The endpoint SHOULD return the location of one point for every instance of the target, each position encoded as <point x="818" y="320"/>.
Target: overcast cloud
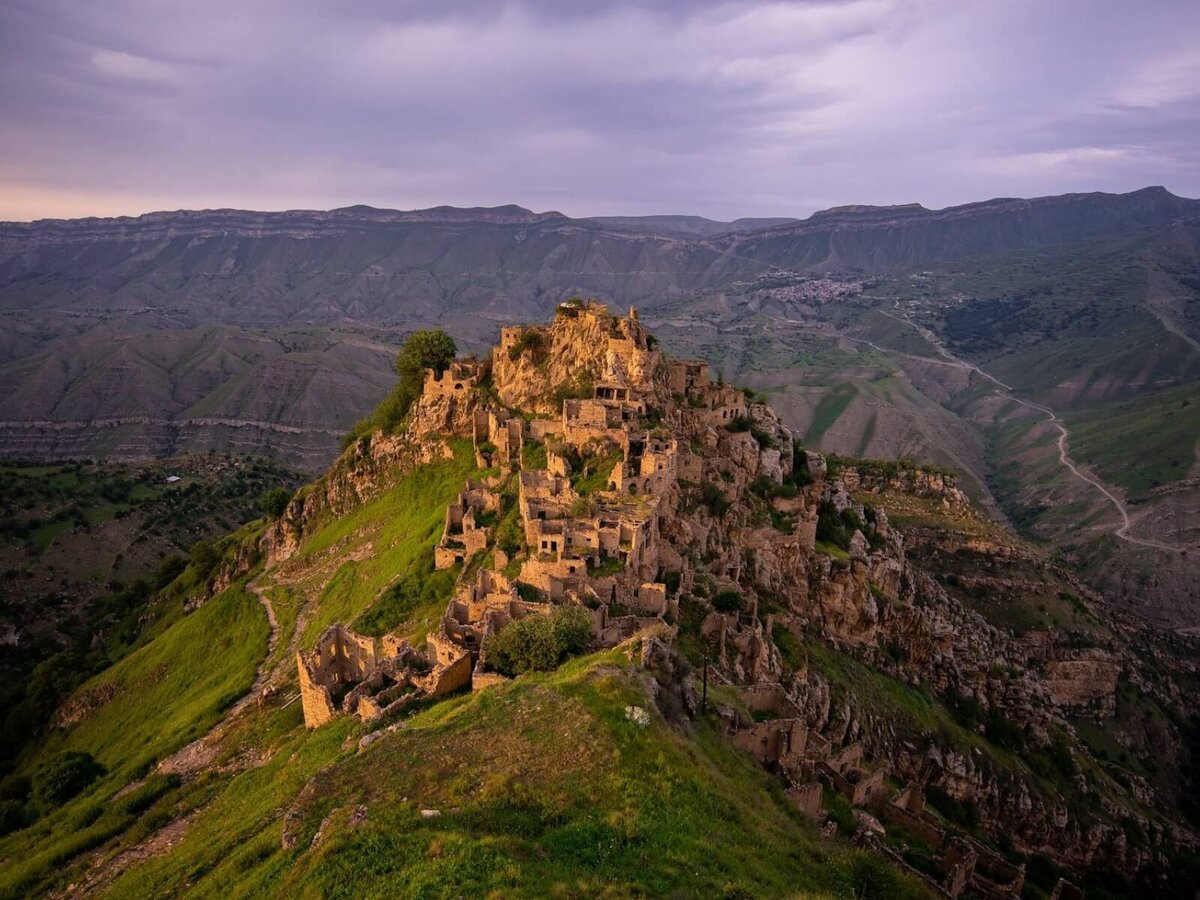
<point x="720" y="109"/>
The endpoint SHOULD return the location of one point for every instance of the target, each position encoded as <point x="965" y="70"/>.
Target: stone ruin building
<point x="348" y="672"/>
<point x="600" y="552"/>
<point x="462" y="536"/>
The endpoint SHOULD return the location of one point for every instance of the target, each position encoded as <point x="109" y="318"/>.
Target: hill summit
<point x="588" y="620"/>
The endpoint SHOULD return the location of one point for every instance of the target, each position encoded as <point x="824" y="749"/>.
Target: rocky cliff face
<point x="534" y="366"/>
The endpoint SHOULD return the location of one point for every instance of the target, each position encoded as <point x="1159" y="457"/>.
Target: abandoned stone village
<point x="650" y="494"/>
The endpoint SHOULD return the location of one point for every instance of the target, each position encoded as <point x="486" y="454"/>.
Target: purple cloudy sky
<point x="720" y="109"/>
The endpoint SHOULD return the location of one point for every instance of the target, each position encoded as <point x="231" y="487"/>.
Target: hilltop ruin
<point x="663" y="501"/>
<point x="595" y="546"/>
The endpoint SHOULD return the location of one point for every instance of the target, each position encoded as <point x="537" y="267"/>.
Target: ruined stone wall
<point x="684" y="375"/>
<point x="339" y="657"/>
<point x="455" y="381"/>
<point x="553" y="577"/>
<point x="315" y="700"/>
<point x="807" y="798"/>
<point x="651" y="598"/>
<point x="922" y="827"/>
<point x="451" y="667"/>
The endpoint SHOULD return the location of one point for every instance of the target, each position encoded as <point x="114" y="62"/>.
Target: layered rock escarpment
<point x="655" y="497"/>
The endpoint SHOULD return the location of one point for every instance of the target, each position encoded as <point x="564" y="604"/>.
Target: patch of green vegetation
<point x="610" y="565"/>
<point x="233" y="843"/>
<point x="539" y="643"/>
<point x="1142" y="443"/>
<point x="274" y="502"/>
<point x="594" y="473"/>
<point x="421" y="589"/>
<point x="63" y="776"/>
<point x="911" y="711"/>
<point x="824" y="547"/>
<point x="583" y="388"/>
<point x="789" y="647"/>
<point x="401" y="526"/>
<point x="1136" y="714"/>
<point x="533" y="455"/>
<point x="836" y="528"/>
<point x="529" y="341"/>
<point x="543" y="785"/>
<point x="172" y="689"/>
<point x="710" y="496"/>
<point x="166" y="693"/>
<point x="728" y="600"/>
<point x="829" y="410"/>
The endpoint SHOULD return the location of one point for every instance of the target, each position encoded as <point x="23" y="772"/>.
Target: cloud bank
<point x="720" y="109"/>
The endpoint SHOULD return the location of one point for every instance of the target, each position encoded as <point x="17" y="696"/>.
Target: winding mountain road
<point x="1006" y="391"/>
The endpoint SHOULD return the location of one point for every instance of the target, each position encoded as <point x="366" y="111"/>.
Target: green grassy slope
<point x="165" y="694"/>
<point x="1158" y="434"/>
<point x="351" y="563"/>
<point x="543" y="788"/>
<point x="172" y="689"/>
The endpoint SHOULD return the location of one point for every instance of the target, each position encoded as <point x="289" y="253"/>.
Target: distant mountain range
<point x="390" y="267"/>
<point x="273" y="331"/>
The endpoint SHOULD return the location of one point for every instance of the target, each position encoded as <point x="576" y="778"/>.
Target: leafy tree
<point x="205" y="558"/>
<point x="729" y="601"/>
<point x="425" y="349"/>
<point x="529" y="340"/>
<point x="61" y="777"/>
<point x="539" y="643"/>
<point x="274" y="502"/>
<point x="714" y="498"/>
<point x="170" y="569"/>
<point x="834" y="527"/>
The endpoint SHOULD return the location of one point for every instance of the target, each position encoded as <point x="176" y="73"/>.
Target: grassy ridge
<point x="171" y="690"/>
<point x="544" y="788"/>
<point x="380" y="543"/>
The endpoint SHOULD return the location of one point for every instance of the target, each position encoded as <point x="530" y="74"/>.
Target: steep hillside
<point x="84" y="546"/>
<point x="137" y="392"/>
<point x="590" y="622"/>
